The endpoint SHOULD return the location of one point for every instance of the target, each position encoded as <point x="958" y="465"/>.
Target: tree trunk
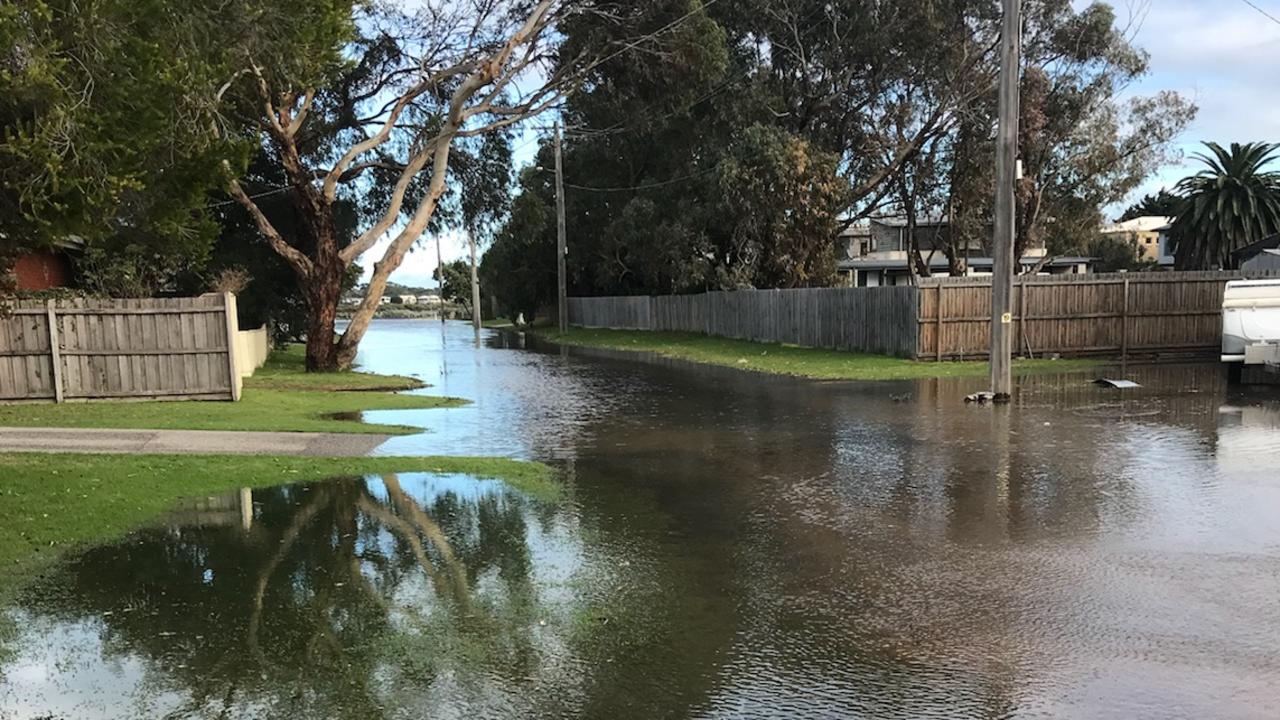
<point x="323" y="290"/>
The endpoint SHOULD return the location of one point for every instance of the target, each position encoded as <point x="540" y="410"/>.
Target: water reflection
<point x="321" y="600"/>
<point x="732" y="545"/>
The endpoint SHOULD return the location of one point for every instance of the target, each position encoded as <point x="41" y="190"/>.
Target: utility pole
<point x="475" y="285"/>
<point x="562" y="285"/>
<point x="1006" y="171"/>
<point x="440" y="272"/>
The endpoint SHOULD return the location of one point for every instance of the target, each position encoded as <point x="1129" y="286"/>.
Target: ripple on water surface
<point x="726" y="545"/>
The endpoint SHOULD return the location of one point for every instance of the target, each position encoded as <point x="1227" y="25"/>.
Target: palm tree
<point x="1233" y="202"/>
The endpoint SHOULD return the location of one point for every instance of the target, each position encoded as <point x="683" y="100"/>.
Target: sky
<point x="1222" y="54"/>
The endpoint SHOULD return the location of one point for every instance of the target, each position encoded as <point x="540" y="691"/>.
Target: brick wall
<point x="41" y="270"/>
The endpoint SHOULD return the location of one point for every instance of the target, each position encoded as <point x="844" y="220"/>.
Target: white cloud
<point x="1224" y="56"/>
<point x="419" y="265"/>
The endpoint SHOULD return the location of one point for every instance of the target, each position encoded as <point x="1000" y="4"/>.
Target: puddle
<point x="728" y="546"/>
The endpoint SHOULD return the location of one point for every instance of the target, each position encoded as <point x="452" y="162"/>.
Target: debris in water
<point x="1122" y="384"/>
<point x="982" y="398"/>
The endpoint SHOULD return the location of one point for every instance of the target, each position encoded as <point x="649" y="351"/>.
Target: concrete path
<point x="162" y="442"/>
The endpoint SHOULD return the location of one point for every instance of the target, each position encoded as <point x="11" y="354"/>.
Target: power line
<point x="255" y="196"/>
<point x="1265" y="14"/>
<point x="648" y="186"/>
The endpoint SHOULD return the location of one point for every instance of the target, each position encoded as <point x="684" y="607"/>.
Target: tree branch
<point x="300" y="263"/>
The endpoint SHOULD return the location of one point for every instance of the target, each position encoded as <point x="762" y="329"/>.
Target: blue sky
<point x="1222" y="54"/>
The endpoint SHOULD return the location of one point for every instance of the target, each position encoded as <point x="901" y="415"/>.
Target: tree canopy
<point x="104" y="132"/>
<point x="734" y="157"/>
<point x="1160" y="204"/>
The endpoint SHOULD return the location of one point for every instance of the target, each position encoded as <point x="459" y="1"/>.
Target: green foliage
<point x="1233" y="202"/>
<point x="519" y="268"/>
<point x="104" y="132"/>
<point x="1160" y="204"/>
<point x="780" y="199"/>
<point x="456" y="286"/>
<point x="1082" y="148"/>
<point x="272" y="297"/>
<point x="725" y="157"/>
<point x="1113" y="254"/>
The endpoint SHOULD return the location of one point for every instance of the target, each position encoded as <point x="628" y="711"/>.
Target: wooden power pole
<point x="475" y="285"/>
<point x="562" y="285"/>
<point x="440" y="272"/>
<point x="1006" y="171"/>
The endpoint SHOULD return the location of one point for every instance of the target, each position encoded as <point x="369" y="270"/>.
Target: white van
<point x="1251" y="322"/>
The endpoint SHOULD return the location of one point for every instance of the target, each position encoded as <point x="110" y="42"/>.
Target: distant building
<point x="876" y="253"/>
<point x="384" y="300"/>
<point x="1148" y="234"/>
<point x="405" y="299"/>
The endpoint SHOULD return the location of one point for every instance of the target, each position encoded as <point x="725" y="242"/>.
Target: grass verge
<point x="788" y="359"/>
<point x="281" y="397"/>
<point x="51" y="504"/>
<point x="286" y="369"/>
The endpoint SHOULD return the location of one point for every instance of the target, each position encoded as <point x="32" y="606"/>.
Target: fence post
<point x="1124" y="323"/>
<point x="229" y="312"/>
<point x="937" y="335"/>
<point x="55" y="352"/>
<point x="1022" y="320"/>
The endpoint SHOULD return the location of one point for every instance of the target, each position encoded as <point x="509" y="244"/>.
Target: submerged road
<point x="726" y="545"/>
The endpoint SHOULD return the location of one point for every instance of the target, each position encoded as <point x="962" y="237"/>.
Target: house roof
<point x="897" y="221"/>
<point x="1267" y="243"/>
<point x="1146" y="223"/>
<point x="940" y="261"/>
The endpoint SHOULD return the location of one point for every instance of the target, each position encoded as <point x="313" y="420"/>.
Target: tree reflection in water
<point x="341" y="599"/>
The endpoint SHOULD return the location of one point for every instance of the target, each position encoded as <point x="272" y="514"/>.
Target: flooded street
<point x="727" y="545"/>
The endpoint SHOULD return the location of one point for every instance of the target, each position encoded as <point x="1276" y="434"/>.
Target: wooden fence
<point x="1114" y="314"/>
<point x="1117" y="314"/>
<point x="879" y="320"/>
<point x="101" y="349"/>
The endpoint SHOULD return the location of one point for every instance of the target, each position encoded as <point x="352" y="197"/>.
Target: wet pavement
<point x="728" y="545"/>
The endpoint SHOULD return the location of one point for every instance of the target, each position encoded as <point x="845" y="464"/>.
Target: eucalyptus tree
<point x="1232" y="202"/>
<point x="1082" y="147"/>
<point x="351" y="99"/>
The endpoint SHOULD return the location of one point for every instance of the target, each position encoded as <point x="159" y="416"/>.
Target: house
<point x="876" y="253"/>
<point x="405" y="300"/>
<point x="1149" y="234"/>
<point x="47" y="268"/>
<point x="1262" y="255"/>
<point x="384" y="300"/>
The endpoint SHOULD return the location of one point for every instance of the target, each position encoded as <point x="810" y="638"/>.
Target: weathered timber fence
<point x="879" y="320"/>
<point x="85" y="349"/>
<point x="1112" y="314"/>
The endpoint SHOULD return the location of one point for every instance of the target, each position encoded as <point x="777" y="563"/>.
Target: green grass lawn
<point x="286" y="370"/>
<point x="51" y="504"/>
<point x="789" y="359"/>
<point x="281" y="397"/>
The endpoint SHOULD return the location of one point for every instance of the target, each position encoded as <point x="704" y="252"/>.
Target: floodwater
<point x="727" y="545"/>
